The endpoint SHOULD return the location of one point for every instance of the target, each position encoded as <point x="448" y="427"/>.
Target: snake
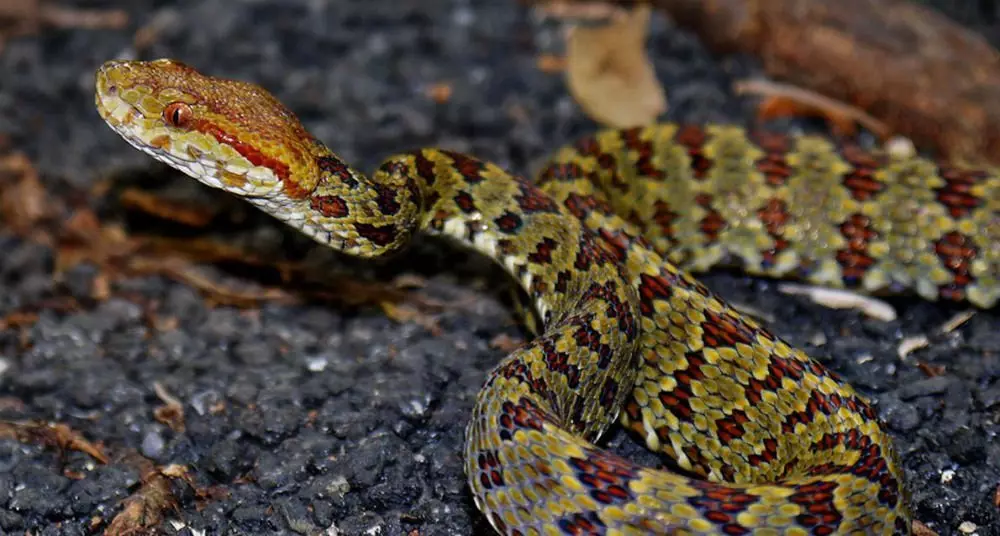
<point x="755" y="436"/>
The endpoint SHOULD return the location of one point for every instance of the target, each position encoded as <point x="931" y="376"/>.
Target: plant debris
<point x="79" y="236"/>
<point x="197" y="215"/>
<point x="171" y="413"/>
<point x="786" y="100"/>
<point x="145" y="508"/>
<point x="608" y="71"/>
<point x="24" y="17"/>
<point x="842" y="299"/>
<point x="53" y="435"/>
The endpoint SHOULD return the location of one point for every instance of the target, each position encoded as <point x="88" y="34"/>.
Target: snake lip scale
<point x="766" y="440"/>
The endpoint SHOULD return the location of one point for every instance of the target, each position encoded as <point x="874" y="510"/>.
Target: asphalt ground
<point x="309" y="416"/>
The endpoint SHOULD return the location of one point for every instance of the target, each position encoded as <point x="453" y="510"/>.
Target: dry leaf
<point x="25" y="17"/>
<point x="787" y="100"/>
<point x="402" y="313"/>
<point x="919" y="529"/>
<point x="842" y="299"/>
<point x="171" y="413"/>
<point x="911" y="344"/>
<point x="148" y="505"/>
<point x="24" y="203"/>
<point x="55" y="435"/>
<point x="181" y="211"/>
<point x="505" y="342"/>
<point x="609" y="73"/>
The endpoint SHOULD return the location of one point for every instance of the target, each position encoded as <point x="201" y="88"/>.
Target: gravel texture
<point x="313" y="418"/>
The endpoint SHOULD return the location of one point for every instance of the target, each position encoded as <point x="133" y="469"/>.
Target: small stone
<point x="947" y="475"/>
<point x="152" y="444"/>
<point x="927" y="387"/>
<point x="967" y="527"/>
<point x="79" y="280"/>
<point x="967" y="446"/>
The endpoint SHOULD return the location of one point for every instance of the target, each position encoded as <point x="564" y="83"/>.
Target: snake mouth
<point x="118" y="104"/>
<point x="134" y="108"/>
<point x="110" y="105"/>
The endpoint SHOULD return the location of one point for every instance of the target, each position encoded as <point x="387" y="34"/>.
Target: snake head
<point x="225" y="133"/>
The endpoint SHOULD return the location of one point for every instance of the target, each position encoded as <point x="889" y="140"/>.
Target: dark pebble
<point x="224" y="459"/>
<point x="967" y="446"/>
<point x="10" y="521"/>
<point x="79" y="281"/>
<point x="251" y="514"/>
<point x="102" y="486"/>
<point x="931" y="386"/>
<point x="990" y="396"/>
<point x="43" y="497"/>
<point x="364" y="523"/>
<point x="900" y="416"/>
<point x="296" y="516"/>
<point x="278" y="472"/>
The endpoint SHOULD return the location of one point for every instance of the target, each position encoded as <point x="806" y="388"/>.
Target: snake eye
<point x="177" y="114"/>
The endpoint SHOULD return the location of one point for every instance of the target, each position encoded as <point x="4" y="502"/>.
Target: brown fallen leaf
<point x="931" y="371"/>
<point x="78" y="236"/>
<point x="23" y="17"/>
<point x="402" y="313"/>
<point x="28" y="315"/>
<point x="919" y="529"/>
<point x="84" y="238"/>
<point x="609" y="73"/>
<point x="145" y="508"/>
<point x="178" y="211"/>
<point x="207" y="495"/>
<point x="17" y="319"/>
<point x="505" y="342"/>
<point x="171" y="413"/>
<point x="54" y="435"/>
<point x="31" y="15"/>
<point x="786" y="100"/>
<point x="217" y="293"/>
<point x="24" y="203"/>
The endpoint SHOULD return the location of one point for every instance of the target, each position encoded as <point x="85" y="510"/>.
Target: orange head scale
<point x="228" y="134"/>
<point x="236" y="136"/>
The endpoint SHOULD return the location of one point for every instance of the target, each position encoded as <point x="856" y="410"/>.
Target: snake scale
<point x="762" y="438"/>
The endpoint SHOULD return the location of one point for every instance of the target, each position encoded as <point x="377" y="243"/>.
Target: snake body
<point x="763" y="439"/>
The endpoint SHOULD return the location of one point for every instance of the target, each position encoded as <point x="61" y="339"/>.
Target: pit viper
<point x="759" y="437"/>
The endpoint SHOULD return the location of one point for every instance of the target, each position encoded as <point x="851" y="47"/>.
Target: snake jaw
<point x="140" y="112"/>
<point x="228" y="134"/>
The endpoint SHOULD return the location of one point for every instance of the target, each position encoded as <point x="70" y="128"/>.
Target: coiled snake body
<point x="765" y="439"/>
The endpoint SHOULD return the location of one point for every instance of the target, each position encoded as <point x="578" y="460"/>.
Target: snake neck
<point x="360" y="215"/>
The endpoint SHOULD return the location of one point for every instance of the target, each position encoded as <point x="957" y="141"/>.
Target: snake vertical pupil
<point x="177" y="114"/>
